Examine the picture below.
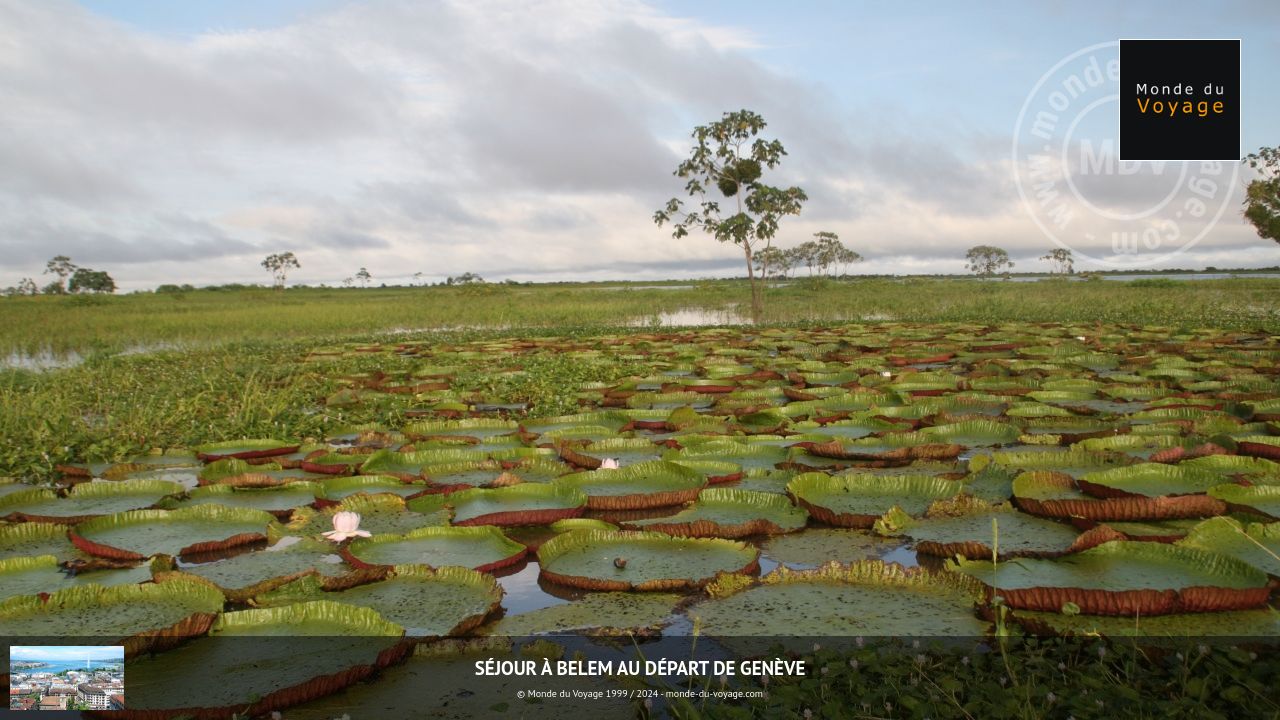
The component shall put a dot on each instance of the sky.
(67, 653)
(182, 142)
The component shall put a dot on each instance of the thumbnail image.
(66, 677)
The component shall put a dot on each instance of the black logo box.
(1205, 73)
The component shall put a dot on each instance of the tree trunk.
(757, 302)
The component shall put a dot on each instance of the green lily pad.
(636, 487)
(337, 488)
(603, 560)
(974, 433)
(138, 534)
(868, 598)
(1252, 624)
(523, 504)
(380, 514)
(116, 612)
(1149, 480)
(1264, 499)
(333, 645)
(273, 499)
(605, 613)
(243, 449)
(973, 531)
(88, 499)
(1125, 578)
(31, 575)
(482, 548)
(1255, 543)
(425, 601)
(244, 575)
(857, 500)
(31, 538)
(819, 546)
(729, 513)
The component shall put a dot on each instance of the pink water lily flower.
(346, 525)
(609, 464)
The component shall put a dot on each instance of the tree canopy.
(1262, 196)
(987, 260)
(729, 156)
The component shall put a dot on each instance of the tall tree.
(1262, 196)
(95, 281)
(62, 267)
(1060, 260)
(729, 156)
(364, 277)
(279, 265)
(987, 260)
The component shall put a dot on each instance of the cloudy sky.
(181, 142)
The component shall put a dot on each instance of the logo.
(1067, 167)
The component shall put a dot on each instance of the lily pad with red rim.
(86, 500)
(636, 487)
(425, 601)
(143, 618)
(244, 449)
(648, 561)
(1125, 578)
(483, 549)
(138, 534)
(331, 646)
(515, 505)
(857, 500)
(729, 513)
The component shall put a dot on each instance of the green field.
(88, 323)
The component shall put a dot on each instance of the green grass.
(85, 325)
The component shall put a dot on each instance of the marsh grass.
(32, 325)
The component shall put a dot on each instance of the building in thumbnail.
(93, 697)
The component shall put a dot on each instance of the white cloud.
(530, 141)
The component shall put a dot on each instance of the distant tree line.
(69, 278)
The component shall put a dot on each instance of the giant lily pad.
(87, 500)
(278, 500)
(605, 614)
(331, 646)
(482, 548)
(138, 534)
(617, 560)
(819, 546)
(42, 574)
(1148, 480)
(410, 465)
(244, 575)
(425, 601)
(974, 433)
(972, 529)
(729, 513)
(636, 487)
(1056, 495)
(244, 449)
(379, 514)
(866, 598)
(340, 487)
(523, 504)
(1125, 578)
(31, 538)
(144, 617)
(1263, 499)
(857, 500)
(1252, 624)
(1255, 543)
